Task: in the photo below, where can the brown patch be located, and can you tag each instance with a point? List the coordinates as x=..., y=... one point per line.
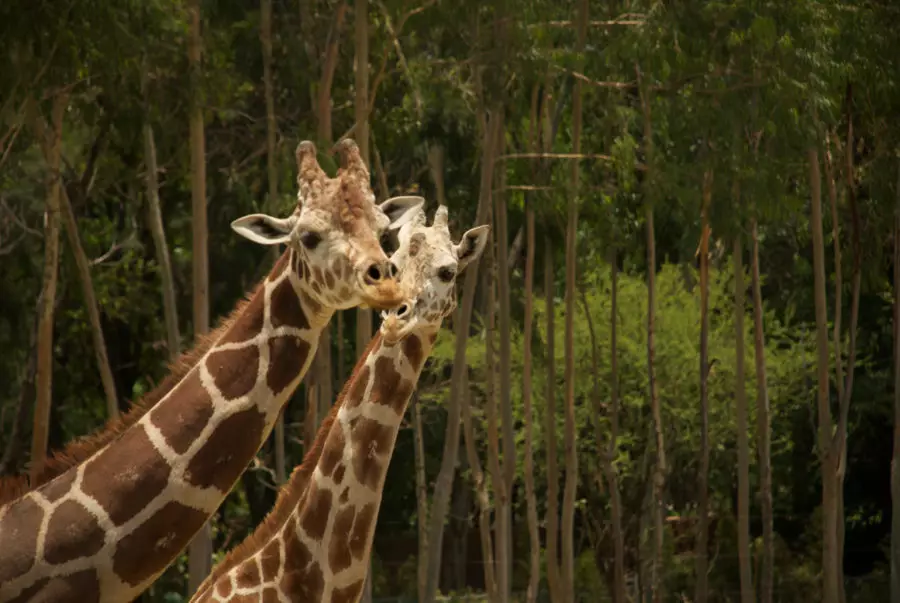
x=390, y=388
x=234, y=371
x=80, y=587
x=345, y=495
x=361, y=528
x=249, y=323
x=339, y=552
x=248, y=574
x=302, y=579
x=123, y=477
x=357, y=387
x=224, y=456
x=415, y=244
x=19, y=527
x=349, y=594
x=329, y=279
x=270, y=595
x=155, y=543
x=287, y=355
x=333, y=451
x=59, y=487
x=72, y=533
x=339, y=474
x=314, y=515
x=182, y=418
x=270, y=560
x=412, y=349
x=223, y=587
x=285, y=308
x=372, y=441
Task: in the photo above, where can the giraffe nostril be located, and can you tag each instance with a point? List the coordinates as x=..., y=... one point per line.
x=373, y=274
x=402, y=311
x=392, y=270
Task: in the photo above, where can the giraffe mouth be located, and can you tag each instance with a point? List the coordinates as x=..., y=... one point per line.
x=397, y=325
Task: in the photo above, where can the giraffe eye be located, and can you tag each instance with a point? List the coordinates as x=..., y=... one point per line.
x=446, y=274
x=310, y=239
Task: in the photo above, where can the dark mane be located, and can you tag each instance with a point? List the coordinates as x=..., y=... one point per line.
x=291, y=493
x=80, y=449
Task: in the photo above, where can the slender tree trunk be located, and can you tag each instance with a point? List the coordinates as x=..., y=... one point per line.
x=90, y=301
x=361, y=110
x=571, y=444
x=421, y=496
x=534, y=557
x=829, y=485
x=763, y=428
x=157, y=231
x=481, y=497
x=740, y=396
x=444, y=482
x=659, y=474
x=895, y=460
x=498, y=480
x=702, y=554
x=609, y=468
x=551, y=519
x=46, y=303
x=200, y=553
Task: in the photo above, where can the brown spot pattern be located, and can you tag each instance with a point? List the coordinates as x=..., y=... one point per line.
x=285, y=308
x=357, y=388
x=123, y=477
x=339, y=552
x=224, y=456
x=339, y=474
x=270, y=595
x=248, y=323
x=80, y=587
x=182, y=418
x=372, y=441
x=19, y=527
x=390, y=388
x=156, y=542
x=349, y=594
x=72, y=533
x=287, y=355
x=333, y=451
x=234, y=371
x=270, y=560
x=302, y=579
x=60, y=486
x=223, y=587
x=315, y=513
x=412, y=349
x=345, y=495
x=248, y=574
x=361, y=528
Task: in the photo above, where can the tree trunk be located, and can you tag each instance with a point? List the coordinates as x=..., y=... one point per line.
x=200, y=554
x=498, y=479
x=571, y=434
x=740, y=397
x=534, y=557
x=444, y=482
x=702, y=564
x=551, y=519
x=829, y=485
x=481, y=497
x=659, y=473
x=895, y=460
x=361, y=110
x=612, y=474
x=46, y=303
x=421, y=496
x=763, y=428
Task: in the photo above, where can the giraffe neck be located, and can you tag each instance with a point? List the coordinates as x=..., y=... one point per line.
x=106, y=528
x=316, y=543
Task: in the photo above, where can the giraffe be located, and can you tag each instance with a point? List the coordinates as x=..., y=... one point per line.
x=112, y=511
x=314, y=546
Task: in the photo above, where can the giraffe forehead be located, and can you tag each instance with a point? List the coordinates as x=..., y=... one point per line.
x=345, y=203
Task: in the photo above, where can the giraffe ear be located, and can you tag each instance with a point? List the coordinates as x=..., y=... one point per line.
x=264, y=229
x=401, y=210
x=471, y=245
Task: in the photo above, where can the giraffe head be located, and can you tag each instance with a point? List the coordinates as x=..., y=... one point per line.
x=335, y=232
x=430, y=263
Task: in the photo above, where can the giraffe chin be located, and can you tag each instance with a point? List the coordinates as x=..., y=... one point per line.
x=394, y=328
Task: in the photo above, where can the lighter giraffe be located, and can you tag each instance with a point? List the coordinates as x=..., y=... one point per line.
x=314, y=546
x=112, y=511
